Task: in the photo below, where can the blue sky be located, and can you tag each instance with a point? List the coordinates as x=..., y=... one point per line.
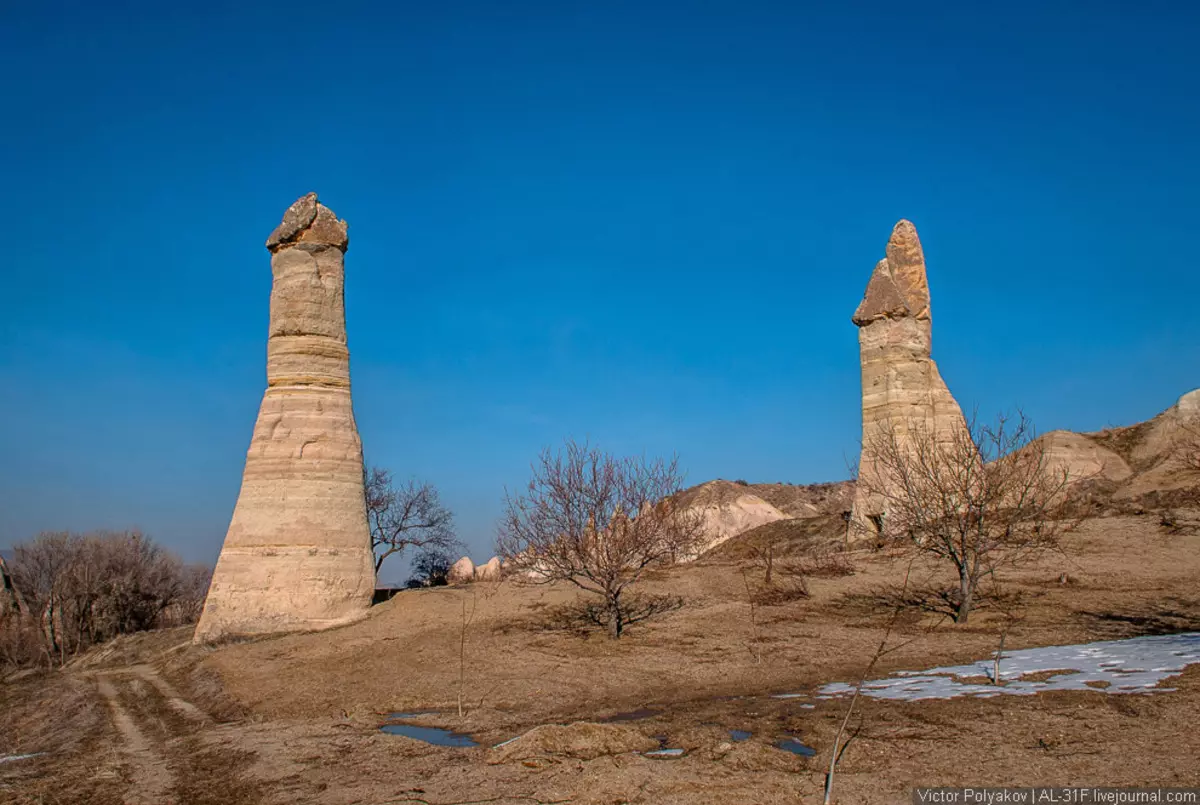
x=645, y=223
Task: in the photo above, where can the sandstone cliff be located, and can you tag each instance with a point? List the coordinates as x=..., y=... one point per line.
x=298, y=552
x=902, y=389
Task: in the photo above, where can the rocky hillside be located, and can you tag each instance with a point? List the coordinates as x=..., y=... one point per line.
x=1156, y=462
x=1148, y=465
x=731, y=508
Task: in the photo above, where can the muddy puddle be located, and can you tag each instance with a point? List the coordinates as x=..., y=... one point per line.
x=430, y=735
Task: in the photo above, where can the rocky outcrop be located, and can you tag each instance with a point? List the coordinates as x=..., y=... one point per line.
x=488, y=571
x=461, y=572
x=727, y=509
x=298, y=552
x=1080, y=458
x=1163, y=452
x=901, y=386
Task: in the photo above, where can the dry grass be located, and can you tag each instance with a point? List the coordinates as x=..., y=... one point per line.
x=312, y=702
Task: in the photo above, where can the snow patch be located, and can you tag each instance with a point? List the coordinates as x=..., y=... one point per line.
x=1135, y=665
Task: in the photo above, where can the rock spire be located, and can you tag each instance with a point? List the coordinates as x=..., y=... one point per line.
x=298, y=552
x=901, y=385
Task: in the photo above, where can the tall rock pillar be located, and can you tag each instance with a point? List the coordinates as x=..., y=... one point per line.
x=901, y=386
x=298, y=552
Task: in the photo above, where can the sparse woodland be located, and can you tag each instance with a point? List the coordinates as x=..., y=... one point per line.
x=81, y=589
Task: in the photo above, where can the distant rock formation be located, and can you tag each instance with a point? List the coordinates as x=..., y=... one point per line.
x=731, y=508
x=489, y=570
x=1081, y=458
x=462, y=571
x=727, y=509
x=901, y=384
x=298, y=552
x=1162, y=453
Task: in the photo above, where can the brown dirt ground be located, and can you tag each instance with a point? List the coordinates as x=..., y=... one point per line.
x=294, y=718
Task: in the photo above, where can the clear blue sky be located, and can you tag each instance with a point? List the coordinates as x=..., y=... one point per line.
x=641, y=222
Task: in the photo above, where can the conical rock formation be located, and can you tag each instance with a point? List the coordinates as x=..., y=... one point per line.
x=901, y=386
x=298, y=552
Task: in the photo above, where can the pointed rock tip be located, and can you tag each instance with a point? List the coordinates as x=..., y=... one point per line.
x=309, y=221
x=905, y=243
x=906, y=261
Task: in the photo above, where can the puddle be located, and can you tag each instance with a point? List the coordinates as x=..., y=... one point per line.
x=794, y=746
x=430, y=735
x=632, y=715
x=413, y=714
x=737, y=736
x=1134, y=665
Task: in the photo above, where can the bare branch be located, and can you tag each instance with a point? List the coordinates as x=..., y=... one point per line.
x=978, y=498
x=598, y=522
x=408, y=515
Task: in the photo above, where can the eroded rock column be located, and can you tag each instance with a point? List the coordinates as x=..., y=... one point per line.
x=902, y=389
x=298, y=552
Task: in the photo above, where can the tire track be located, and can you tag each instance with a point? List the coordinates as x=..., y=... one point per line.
x=151, y=778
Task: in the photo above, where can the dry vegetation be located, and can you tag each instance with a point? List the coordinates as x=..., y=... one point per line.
x=305, y=708
x=77, y=590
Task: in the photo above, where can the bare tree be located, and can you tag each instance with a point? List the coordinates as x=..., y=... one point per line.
x=431, y=568
x=598, y=522
x=406, y=515
x=83, y=589
x=979, y=498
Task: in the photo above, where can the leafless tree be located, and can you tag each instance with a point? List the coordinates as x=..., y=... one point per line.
x=408, y=515
x=763, y=548
x=598, y=522
x=979, y=498
x=81, y=589
x=431, y=568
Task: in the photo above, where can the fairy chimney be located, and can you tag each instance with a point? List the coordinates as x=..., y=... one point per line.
x=901, y=386
x=297, y=555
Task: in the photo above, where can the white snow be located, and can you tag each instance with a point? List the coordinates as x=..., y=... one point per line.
x=1136, y=665
x=9, y=758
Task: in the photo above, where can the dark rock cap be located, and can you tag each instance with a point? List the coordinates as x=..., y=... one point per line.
x=882, y=300
x=309, y=221
x=898, y=286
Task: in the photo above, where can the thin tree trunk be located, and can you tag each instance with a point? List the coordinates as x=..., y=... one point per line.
x=966, y=592
x=615, y=626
